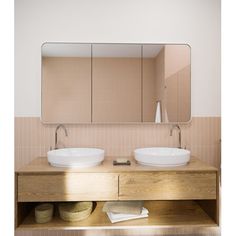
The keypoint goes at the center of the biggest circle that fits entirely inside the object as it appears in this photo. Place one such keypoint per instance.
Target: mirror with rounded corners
(115, 83)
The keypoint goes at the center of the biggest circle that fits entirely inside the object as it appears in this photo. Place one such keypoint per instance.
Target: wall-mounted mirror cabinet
(115, 83)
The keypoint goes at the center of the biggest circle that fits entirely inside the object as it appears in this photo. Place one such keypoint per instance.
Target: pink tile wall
(201, 136)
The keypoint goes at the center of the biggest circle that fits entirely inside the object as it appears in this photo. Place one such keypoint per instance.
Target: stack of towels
(125, 210)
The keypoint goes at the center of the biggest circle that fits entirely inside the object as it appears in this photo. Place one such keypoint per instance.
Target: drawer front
(167, 186)
(68, 187)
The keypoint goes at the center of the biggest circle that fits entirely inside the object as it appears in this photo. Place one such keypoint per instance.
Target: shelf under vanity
(161, 213)
(175, 197)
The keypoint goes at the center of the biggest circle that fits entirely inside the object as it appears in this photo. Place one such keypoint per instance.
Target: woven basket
(75, 211)
(43, 213)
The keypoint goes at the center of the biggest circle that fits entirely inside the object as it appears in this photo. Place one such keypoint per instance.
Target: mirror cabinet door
(153, 83)
(116, 83)
(166, 83)
(178, 83)
(66, 83)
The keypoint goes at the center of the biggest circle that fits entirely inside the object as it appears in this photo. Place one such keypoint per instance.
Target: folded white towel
(158, 112)
(117, 217)
(125, 207)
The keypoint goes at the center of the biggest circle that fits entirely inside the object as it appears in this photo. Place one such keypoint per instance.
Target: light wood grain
(41, 165)
(161, 213)
(167, 186)
(39, 181)
(210, 207)
(22, 210)
(67, 187)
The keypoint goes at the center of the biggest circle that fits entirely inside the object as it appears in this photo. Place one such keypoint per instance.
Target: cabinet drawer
(68, 187)
(167, 186)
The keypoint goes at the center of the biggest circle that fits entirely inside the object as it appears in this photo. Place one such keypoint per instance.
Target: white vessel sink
(76, 157)
(162, 156)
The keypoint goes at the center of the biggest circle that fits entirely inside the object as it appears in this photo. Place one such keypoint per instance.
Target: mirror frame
(118, 123)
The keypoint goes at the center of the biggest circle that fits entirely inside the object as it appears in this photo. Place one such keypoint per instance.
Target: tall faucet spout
(57, 128)
(176, 126)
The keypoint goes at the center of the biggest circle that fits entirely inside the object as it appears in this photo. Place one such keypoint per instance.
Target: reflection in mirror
(66, 83)
(116, 83)
(166, 83)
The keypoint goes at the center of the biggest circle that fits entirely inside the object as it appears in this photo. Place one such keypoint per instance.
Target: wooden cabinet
(114, 186)
(181, 196)
(167, 186)
(68, 187)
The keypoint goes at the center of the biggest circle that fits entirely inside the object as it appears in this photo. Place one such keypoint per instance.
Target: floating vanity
(175, 197)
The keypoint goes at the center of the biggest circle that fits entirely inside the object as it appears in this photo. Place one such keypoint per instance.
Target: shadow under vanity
(118, 83)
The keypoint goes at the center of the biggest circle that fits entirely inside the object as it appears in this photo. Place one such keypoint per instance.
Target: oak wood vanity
(179, 196)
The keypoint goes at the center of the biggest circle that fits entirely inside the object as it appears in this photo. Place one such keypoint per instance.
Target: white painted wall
(196, 22)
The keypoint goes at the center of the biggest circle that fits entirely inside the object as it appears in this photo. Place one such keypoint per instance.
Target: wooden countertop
(41, 165)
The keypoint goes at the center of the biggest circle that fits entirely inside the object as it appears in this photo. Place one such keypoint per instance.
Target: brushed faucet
(57, 128)
(176, 126)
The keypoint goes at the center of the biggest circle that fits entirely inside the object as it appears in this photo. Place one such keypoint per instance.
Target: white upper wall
(195, 22)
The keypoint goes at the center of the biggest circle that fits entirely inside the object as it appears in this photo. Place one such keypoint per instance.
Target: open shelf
(161, 214)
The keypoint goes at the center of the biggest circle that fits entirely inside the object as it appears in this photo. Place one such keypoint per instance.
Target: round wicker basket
(75, 211)
(43, 213)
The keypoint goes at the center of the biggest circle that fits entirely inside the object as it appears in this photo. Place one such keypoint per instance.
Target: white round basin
(76, 157)
(162, 156)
